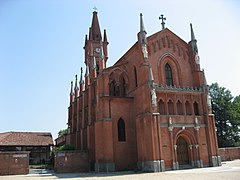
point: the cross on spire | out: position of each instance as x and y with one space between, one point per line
95 8
163 23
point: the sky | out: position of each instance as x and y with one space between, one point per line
41 49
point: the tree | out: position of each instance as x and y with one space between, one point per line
227 114
62 132
236 117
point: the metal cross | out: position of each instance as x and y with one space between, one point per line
95 9
163 23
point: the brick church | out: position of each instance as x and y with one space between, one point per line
149 111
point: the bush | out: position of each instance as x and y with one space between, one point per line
65 147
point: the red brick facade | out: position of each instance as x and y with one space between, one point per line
150 110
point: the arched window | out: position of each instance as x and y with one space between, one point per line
122 87
161 107
168 75
188 108
179 108
170 107
135 75
112 89
121 130
196 111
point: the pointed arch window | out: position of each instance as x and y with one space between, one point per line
112 88
161 107
196 110
122 87
121 130
188 108
168 75
170 107
179 108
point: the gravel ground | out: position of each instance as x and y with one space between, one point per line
228 170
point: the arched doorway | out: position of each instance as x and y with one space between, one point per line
182 151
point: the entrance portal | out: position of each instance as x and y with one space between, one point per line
182 151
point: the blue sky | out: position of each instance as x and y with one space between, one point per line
41 48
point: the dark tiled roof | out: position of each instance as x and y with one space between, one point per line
26 139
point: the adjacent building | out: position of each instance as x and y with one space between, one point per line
151 110
38 143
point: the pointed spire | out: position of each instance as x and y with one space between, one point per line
142 28
81 82
90 34
86 40
95 28
81 76
71 91
105 36
142 38
192 33
76 84
193 40
142 32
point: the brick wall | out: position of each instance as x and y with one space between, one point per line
71 161
14 162
228 154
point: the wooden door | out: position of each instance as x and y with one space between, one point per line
182 151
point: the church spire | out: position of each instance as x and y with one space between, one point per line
81 76
142 31
142 38
193 41
76 87
95 28
81 82
105 36
71 93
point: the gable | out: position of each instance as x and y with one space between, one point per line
166 39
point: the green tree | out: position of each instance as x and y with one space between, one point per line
62 132
236 117
225 110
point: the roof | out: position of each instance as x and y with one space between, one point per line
26 139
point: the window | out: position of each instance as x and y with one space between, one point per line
112 88
188 108
121 130
161 107
135 75
195 105
179 108
168 74
170 107
122 87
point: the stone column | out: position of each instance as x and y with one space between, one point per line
175 165
191 155
197 128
